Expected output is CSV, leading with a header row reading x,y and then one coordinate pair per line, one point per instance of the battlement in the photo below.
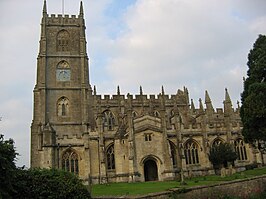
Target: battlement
x,y
137,97
153,101
72,136
63,19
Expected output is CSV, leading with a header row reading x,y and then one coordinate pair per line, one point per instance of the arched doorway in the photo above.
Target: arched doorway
x,y
150,170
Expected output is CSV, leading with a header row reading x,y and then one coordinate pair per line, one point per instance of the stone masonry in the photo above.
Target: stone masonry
x,y
119,138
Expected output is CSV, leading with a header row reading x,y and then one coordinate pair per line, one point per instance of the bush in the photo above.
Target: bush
x,y
221,154
48,183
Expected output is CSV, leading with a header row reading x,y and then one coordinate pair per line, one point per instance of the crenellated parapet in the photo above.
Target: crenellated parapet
x,y
61,19
67,20
169,109
141,99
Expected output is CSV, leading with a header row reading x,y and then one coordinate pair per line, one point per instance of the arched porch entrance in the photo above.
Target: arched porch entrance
x,y
150,170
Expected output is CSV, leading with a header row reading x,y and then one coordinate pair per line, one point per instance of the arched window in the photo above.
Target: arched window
x,y
217,142
191,152
110,157
63,71
63,65
241,149
173,154
63,41
108,120
63,106
70,162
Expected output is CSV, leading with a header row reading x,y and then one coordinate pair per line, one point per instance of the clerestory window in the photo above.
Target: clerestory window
x,y
108,121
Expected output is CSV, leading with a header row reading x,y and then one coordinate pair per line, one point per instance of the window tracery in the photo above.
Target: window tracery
x,y
63,65
240,149
110,157
191,152
217,142
108,121
63,41
63,107
70,162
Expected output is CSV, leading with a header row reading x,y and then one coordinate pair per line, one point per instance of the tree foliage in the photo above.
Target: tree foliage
x,y
48,183
221,154
35,183
7,166
253,110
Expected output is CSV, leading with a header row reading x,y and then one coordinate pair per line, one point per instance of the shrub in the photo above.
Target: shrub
x,y
48,183
221,154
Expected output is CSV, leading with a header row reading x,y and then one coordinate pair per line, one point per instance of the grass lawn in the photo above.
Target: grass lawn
x,y
141,188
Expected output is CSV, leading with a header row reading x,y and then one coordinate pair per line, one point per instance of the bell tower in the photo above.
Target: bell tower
x,y
62,90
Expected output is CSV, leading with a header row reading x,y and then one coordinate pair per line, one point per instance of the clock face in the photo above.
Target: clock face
x,y
63,75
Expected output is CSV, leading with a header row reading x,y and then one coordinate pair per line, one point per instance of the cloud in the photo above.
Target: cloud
x,y
176,42
200,44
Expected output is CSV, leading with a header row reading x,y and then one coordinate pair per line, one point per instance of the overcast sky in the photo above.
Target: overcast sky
x,y
200,44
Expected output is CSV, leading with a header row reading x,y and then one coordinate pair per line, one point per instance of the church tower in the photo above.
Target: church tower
x,y
119,138
62,91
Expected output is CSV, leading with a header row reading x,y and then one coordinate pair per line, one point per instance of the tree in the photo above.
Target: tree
x,y
48,183
7,166
221,154
35,183
253,110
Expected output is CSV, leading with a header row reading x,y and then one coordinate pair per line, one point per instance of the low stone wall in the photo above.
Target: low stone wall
x,y
240,188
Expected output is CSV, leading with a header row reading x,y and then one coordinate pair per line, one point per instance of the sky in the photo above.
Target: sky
x,y
200,44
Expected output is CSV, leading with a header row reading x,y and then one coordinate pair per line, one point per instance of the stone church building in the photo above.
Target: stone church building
x,y
119,138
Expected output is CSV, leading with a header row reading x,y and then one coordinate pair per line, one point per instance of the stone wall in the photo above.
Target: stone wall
x,y
240,188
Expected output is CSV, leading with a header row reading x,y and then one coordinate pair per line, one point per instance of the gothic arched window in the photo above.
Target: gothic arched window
x,y
108,120
191,152
110,157
63,106
70,162
217,142
63,65
63,71
63,40
173,154
240,149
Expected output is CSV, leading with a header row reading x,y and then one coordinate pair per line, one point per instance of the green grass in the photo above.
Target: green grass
x,y
138,188
141,188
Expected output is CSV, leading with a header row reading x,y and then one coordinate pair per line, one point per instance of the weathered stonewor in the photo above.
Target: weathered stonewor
x,y
119,138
